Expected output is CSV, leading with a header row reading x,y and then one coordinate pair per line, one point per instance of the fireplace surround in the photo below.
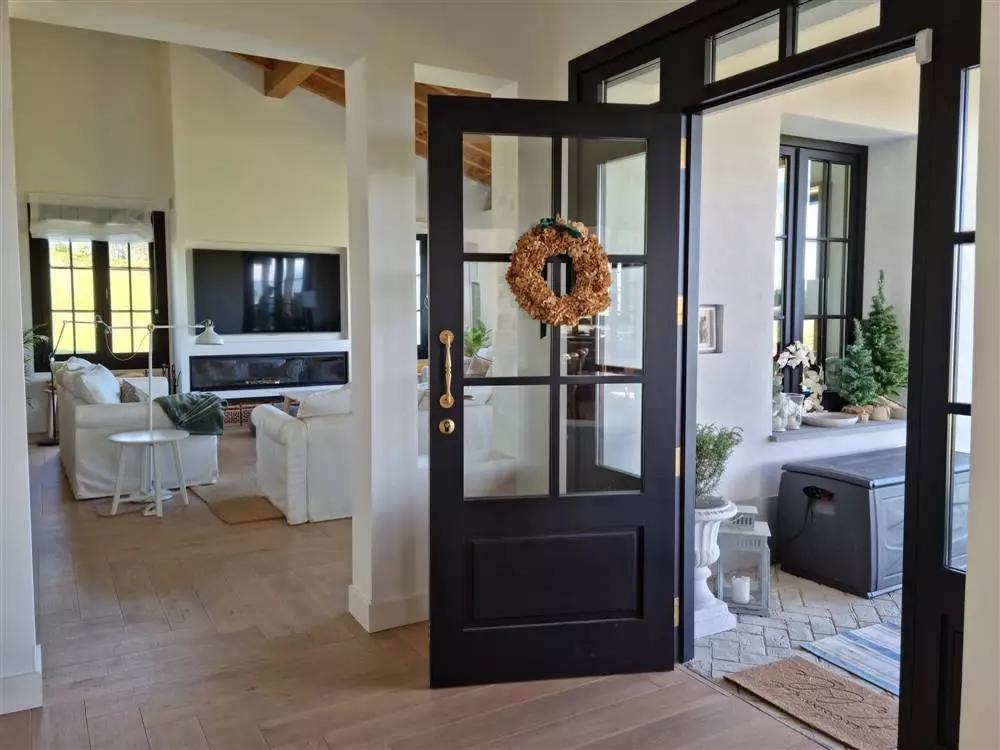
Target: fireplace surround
x,y
248,371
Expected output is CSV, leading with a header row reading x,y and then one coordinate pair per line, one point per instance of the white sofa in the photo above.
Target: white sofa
x,y
91,460
304,463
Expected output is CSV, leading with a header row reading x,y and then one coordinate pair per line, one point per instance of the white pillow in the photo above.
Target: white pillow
x,y
324,403
97,385
65,371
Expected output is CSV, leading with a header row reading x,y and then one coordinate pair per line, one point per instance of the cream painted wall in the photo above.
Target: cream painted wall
x,y
249,168
86,124
251,172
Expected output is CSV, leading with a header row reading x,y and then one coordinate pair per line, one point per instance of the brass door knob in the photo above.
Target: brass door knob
x,y
446,426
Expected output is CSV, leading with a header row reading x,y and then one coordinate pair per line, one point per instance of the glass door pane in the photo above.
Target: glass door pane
x,y
506,440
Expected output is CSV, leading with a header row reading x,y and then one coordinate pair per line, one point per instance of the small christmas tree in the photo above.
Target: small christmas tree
x,y
882,336
858,384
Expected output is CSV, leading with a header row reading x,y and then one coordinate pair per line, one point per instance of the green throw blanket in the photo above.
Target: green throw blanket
x,y
197,413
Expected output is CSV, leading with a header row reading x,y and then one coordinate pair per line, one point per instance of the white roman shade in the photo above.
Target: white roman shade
x,y
80,217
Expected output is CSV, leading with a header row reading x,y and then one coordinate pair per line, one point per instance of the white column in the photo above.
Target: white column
x,y
20,661
980,724
390,495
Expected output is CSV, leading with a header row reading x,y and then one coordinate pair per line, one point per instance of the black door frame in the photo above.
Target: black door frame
x,y
466,645
933,596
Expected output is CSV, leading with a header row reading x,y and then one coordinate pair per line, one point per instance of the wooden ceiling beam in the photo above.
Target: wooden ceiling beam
x,y
285,77
281,77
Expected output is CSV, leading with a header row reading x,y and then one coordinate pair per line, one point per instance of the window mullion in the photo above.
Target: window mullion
x,y
102,298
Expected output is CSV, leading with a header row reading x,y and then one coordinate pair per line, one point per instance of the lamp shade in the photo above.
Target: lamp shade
x,y
209,337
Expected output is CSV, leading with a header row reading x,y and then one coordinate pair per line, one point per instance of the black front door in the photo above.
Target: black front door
x,y
554,495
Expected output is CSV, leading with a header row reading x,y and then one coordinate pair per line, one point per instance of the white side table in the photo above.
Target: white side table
x,y
147,440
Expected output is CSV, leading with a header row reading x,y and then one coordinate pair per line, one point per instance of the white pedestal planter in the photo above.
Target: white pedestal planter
x,y
710,614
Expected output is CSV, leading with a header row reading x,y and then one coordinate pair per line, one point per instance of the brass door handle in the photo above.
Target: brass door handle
x,y
447,338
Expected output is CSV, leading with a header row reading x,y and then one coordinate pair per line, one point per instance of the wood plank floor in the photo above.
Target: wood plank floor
x,y
188,634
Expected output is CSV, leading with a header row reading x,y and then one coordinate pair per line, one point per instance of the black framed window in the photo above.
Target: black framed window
x,y
423,303
73,281
819,244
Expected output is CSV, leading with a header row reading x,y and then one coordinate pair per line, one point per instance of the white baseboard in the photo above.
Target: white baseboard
x,y
23,691
386,615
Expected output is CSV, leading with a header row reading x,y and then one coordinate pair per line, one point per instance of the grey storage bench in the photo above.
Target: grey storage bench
x,y
840,520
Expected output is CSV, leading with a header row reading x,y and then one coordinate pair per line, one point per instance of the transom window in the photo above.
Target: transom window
x,y
818,244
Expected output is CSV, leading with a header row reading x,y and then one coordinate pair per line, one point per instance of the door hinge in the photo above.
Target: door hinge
x,y
677,462
925,46
680,309
677,612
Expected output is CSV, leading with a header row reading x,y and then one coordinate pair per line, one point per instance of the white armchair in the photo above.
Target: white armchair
x,y
304,463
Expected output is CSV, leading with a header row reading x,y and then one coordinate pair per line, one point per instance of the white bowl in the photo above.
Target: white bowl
x,y
830,419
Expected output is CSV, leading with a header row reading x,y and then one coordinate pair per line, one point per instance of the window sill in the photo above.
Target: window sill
x,y
806,432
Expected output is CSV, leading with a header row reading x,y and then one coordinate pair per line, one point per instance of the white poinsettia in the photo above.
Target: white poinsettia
x,y
813,381
795,355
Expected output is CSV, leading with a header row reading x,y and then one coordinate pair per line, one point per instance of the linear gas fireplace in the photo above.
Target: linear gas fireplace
x,y
243,371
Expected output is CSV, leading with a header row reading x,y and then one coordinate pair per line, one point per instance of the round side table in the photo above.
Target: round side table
x,y
148,440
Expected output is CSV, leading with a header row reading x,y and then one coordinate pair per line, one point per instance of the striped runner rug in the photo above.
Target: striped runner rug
x,y
871,653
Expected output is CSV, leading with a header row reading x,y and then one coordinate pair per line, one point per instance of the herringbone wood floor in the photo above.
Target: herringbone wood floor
x,y
187,634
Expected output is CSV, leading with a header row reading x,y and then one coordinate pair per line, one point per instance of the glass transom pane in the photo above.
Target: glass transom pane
x,y
744,47
820,22
638,86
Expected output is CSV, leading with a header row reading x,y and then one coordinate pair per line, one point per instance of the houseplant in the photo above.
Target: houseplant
x,y
30,339
881,330
714,445
858,384
476,337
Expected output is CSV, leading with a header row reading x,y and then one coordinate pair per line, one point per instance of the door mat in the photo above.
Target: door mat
x,y
871,653
850,713
233,508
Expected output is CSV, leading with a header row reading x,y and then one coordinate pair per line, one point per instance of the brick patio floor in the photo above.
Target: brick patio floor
x,y
801,611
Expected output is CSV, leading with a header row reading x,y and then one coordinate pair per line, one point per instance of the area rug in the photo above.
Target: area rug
x,y
871,653
234,498
239,508
850,713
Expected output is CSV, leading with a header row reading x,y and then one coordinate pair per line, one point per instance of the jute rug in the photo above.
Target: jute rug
x,y
234,498
846,711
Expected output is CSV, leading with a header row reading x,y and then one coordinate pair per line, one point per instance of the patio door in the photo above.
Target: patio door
x,y
554,450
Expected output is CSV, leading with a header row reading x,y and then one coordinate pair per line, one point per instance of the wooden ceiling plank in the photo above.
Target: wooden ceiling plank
x,y
285,77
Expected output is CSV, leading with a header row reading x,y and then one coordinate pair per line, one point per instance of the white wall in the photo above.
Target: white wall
x,y
20,663
251,172
739,170
892,177
86,124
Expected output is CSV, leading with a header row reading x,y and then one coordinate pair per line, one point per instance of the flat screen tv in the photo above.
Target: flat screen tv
x,y
267,292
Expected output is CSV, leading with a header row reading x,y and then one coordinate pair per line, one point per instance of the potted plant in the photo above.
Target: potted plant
x,y
889,358
858,384
476,337
30,339
714,446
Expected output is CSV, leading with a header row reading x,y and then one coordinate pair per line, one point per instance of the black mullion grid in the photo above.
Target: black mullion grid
x,y
102,296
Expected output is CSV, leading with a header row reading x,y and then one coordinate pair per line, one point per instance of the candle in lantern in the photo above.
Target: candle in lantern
x,y
741,590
